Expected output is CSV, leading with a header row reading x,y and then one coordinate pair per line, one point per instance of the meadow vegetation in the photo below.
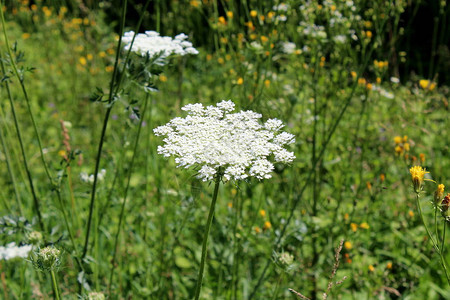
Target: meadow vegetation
x,y
96,212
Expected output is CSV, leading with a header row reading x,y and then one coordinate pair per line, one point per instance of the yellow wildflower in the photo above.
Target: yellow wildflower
x,y
382,177
26,36
222,20
267,225
82,60
369,186
62,153
257,229
405,138
371,268
267,82
364,225
264,38
162,78
240,81
389,265
109,69
417,176
346,216
262,213
230,205
397,139
354,226
230,14
399,150
348,245
438,194
253,13
422,157
406,146
410,213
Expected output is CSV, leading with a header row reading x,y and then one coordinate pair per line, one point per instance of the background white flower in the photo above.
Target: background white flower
x,y
12,251
153,44
212,137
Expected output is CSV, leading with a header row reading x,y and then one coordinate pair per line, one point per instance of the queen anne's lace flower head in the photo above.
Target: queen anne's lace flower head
x,y
12,251
152,44
213,137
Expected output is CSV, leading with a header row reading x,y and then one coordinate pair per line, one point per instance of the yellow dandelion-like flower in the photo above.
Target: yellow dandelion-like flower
x,y
382,177
348,245
82,60
417,176
267,82
26,36
371,268
346,216
257,229
369,86
354,226
353,73
262,213
368,34
389,265
240,81
397,139
222,20
264,38
438,194
423,83
267,225
253,13
230,14
369,186
220,60
364,225
109,69
62,153
399,150
410,213
162,78
406,146
230,205
378,80
422,158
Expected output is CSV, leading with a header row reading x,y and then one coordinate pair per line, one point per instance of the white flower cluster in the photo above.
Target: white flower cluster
x,y
213,137
90,178
153,44
12,251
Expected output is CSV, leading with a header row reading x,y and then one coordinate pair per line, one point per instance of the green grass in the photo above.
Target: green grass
x,y
333,191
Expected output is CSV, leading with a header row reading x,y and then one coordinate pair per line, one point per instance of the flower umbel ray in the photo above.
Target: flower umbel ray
x,y
213,137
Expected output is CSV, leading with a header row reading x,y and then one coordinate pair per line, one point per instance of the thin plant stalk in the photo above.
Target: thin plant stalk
x,y
198,287
103,133
55,285
122,211
11,171
21,143
433,241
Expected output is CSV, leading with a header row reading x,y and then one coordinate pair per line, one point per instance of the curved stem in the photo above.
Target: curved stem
x,y
205,237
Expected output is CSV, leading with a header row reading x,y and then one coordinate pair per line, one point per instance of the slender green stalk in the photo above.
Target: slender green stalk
x,y
122,211
443,236
55,285
19,136
435,243
11,171
104,127
198,287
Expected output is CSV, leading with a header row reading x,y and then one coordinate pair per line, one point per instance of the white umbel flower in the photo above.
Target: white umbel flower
x,y
12,251
213,137
153,44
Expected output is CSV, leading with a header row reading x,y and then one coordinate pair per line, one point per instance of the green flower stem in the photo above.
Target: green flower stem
x,y
205,237
19,137
122,211
435,244
55,285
